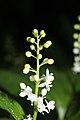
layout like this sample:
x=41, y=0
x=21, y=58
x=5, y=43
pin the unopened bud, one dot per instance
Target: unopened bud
x=76, y=44
x=75, y=35
x=44, y=92
x=50, y=61
x=32, y=40
x=32, y=47
x=76, y=51
x=45, y=60
x=34, y=78
x=78, y=17
x=27, y=66
x=28, y=54
x=35, y=32
x=76, y=27
x=47, y=44
x=28, y=39
x=39, y=56
x=25, y=70
x=42, y=33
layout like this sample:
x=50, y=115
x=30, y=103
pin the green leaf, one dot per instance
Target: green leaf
x=11, y=106
x=12, y=80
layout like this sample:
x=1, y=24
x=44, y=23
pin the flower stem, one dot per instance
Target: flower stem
x=37, y=83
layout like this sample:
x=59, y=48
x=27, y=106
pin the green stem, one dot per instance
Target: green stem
x=37, y=83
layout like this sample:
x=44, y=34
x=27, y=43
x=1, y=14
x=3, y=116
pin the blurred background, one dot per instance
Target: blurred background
x=17, y=20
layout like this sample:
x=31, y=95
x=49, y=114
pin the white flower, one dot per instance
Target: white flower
x=47, y=80
x=41, y=105
x=44, y=92
x=50, y=105
x=32, y=97
x=45, y=106
x=25, y=90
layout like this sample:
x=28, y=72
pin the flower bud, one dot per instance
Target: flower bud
x=25, y=70
x=76, y=51
x=45, y=60
x=44, y=92
x=42, y=33
x=76, y=58
x=32, y=40
x=47, y=44
x=75, y=44
x=39, y=56
x=31, y=78
x=50, y=61
x=27, y=66
x=32, y=47
x=28, y=54
x=76, y=27
x=35, y=32
x=79, y=18
x=28, y=39
x=34, y=78
x=75, y=35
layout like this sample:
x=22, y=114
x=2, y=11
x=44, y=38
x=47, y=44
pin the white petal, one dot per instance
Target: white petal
x=22, y=85
x=51, y=105
x=28, y=89
x=23, y=94
x=42, y=85
x=47, y=72
x=44, y=92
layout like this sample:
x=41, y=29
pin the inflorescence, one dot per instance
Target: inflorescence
x=44, y=82
x=76, y=49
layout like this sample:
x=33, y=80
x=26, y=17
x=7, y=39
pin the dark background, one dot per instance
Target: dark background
x=17, y=20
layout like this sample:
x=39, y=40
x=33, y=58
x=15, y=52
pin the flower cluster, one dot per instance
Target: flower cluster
x=42, y=83
x=46, y=84
x=76, y=49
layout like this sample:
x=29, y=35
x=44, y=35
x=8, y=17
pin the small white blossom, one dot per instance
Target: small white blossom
x=44, y=92
x=41, y=105
x=34, y=78
x=25, y=90
x=32, y=97
x=47, y=80
x=50, y=105
x=45, y=107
